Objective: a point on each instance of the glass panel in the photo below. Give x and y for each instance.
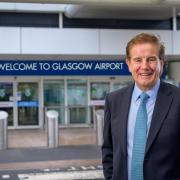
(117, 86)
(99, 90)
(77, 101)
(10, 114)
(77, 92)
(28, 115)
(77, 115)
(54, 93)
(27, 103)
(54, 97)
(6, 100)
(6, 91)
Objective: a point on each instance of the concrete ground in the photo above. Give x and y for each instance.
(65, 162)
(27, 149)
(39, 158)
(38, 137)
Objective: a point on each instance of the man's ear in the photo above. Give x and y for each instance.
(128, 64)
(162, 65)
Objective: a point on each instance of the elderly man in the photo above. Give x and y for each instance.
(142, 121)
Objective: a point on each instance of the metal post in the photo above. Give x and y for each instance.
(53, 129)
(174, 19)
(99, 126)
(94, 117)
(3, 129)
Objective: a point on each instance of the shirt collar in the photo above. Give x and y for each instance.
(152, 92)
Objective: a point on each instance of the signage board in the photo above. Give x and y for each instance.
(80, 68)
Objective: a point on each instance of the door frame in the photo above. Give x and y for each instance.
(15, 80)
(10, 80)
(40, 109)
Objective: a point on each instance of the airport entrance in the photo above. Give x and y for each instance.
(20, 99)
(27, 99)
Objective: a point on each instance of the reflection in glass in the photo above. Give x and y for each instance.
(28, 103)
(99, 90)
(77, 92)
(117, 86)
(6, 100)
(9, 110)
(28, 91)
(78, 115)
(53, 93)
(77, 101)
(54, 97)
(28, 115)
(6, 91)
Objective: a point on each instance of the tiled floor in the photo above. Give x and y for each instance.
(38, 137)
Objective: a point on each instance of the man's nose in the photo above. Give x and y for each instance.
(144, 63)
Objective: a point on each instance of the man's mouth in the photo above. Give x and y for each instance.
(145, 74)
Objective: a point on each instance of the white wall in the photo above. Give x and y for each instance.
(176, 42)
(10, 40)
(115, 41)
(59, 41)
(76, 41)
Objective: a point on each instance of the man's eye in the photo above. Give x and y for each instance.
(137, 60)
(152, 59)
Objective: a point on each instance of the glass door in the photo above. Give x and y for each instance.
(7, 100)
(77, 101)
(54, 97)
(99, 90)
(27, 103)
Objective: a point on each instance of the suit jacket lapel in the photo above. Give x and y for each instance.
(123, 115)
(162, 105)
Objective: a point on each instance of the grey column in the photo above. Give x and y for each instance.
(53, 129)
(99, 126)
(3, 129)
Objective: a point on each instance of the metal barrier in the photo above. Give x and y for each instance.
(3, 129)
(53, 130)
(99, 126)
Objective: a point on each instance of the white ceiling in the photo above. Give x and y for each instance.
(123, 12)
(124, 9)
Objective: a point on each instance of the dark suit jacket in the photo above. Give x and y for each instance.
(162, 154)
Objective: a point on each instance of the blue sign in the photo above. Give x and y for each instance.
(64, 68)
(27, 104)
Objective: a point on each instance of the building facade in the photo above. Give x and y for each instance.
(50, 36)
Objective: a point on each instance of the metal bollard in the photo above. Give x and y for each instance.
(99, 126)
(3, 129)
(53, 129)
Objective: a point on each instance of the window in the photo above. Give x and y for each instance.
(117, 23)
(14, 19)
(54, 97)
(99, 90)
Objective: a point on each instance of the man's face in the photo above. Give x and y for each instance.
(145, 65)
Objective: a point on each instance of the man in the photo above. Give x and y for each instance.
(142, 121)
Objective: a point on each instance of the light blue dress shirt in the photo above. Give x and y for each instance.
(135, 102)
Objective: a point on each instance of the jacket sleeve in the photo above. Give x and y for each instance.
(107, 147)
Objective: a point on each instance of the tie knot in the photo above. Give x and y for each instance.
(144, 96)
